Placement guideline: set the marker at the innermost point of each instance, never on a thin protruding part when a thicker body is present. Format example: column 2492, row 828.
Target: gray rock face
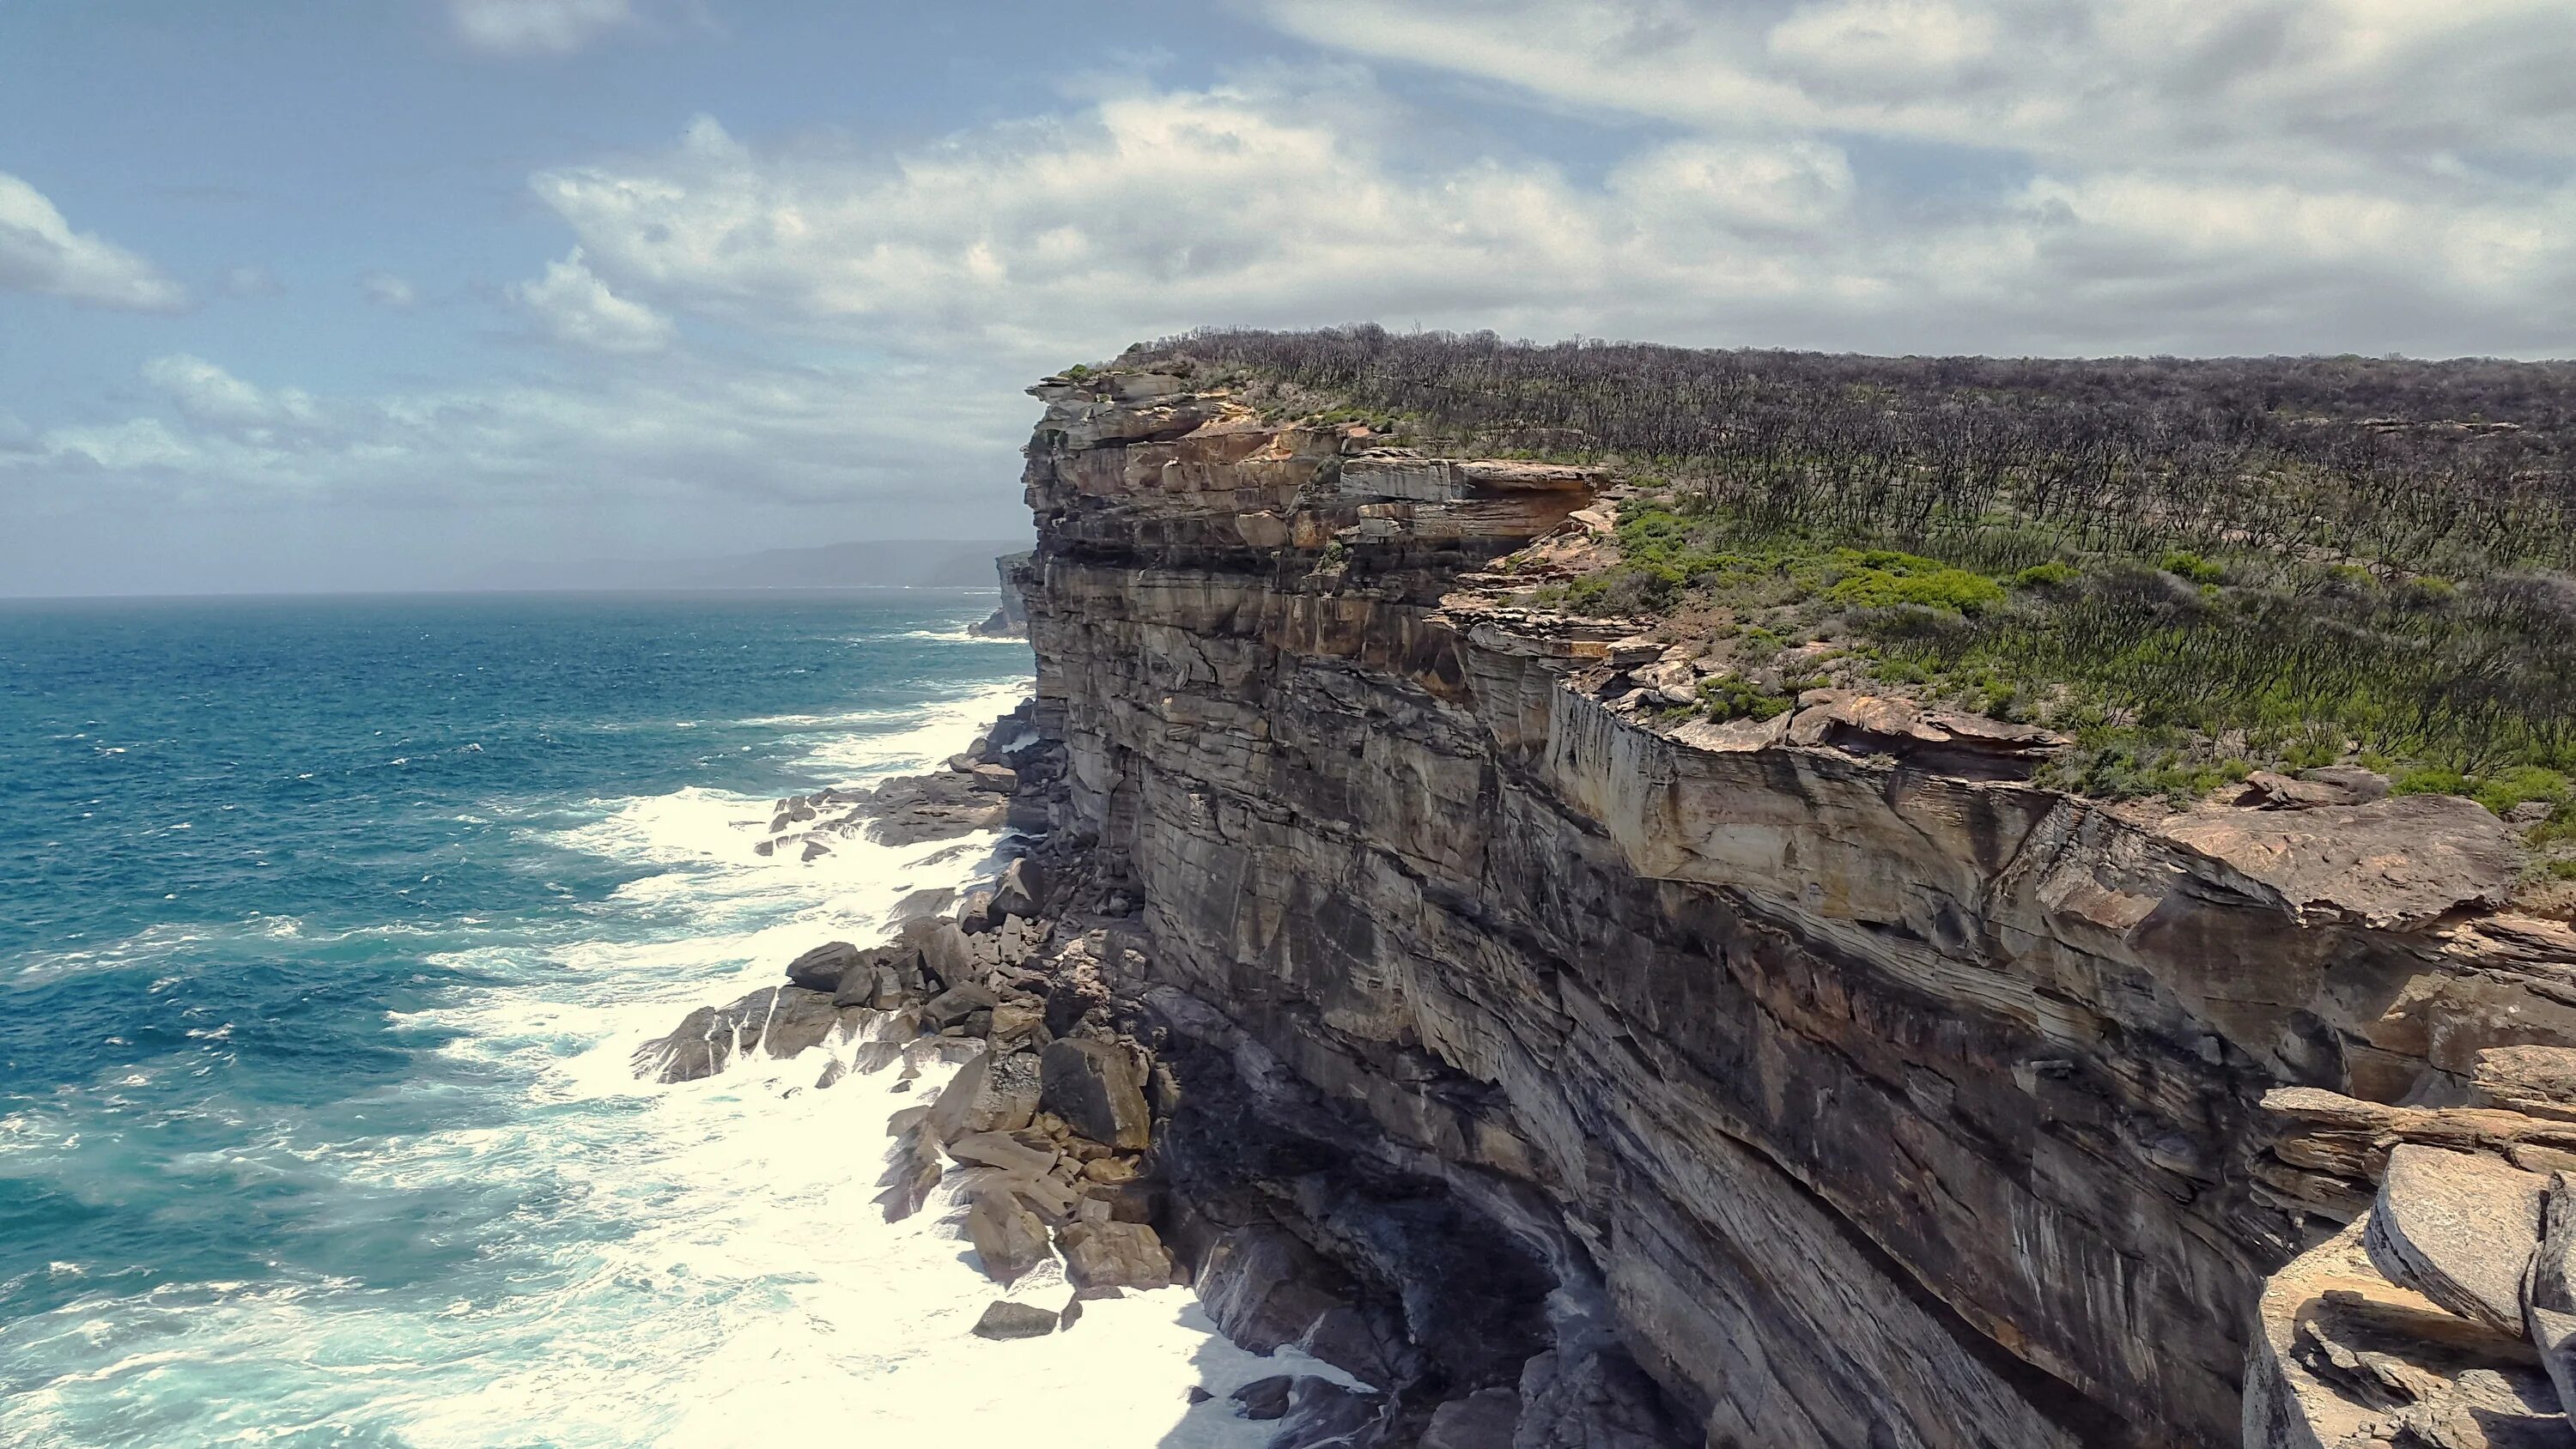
column 2458, row 1228
column 2549, row 1299
column 1097, row 1087
column 1005, row 1319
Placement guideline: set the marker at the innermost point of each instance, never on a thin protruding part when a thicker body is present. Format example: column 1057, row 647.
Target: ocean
column 330, row 926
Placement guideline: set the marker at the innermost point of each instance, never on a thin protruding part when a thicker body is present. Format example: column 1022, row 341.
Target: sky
column 315, row 295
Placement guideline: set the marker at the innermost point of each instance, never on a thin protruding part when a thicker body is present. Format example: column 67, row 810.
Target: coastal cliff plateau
column 1854, row 1091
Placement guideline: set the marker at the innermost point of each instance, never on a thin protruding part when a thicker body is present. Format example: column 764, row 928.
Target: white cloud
column 572, row 305
column 537, row 27
column 2306, row 83
column 39, row 252
column 211, row 395
column 389, row 291
column 1269, row 204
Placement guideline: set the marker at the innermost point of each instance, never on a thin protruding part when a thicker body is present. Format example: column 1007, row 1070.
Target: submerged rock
column 1006, row 1319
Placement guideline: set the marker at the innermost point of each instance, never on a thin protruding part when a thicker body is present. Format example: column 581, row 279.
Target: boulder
column 1485, row 1419
column 1022, row 887
column 1115, row 1255
column 1264, row 1399
column 992, row 1149
column 1321, row 1412
column 933, row 902
column 1098, row 1088
column 1016, row 1021
column 957, row 1003
column 1007, row 1236
column 874, row 986
column 776, row 1021
column 996, row 1092
column 2459, row 1228
column 913, row 1169
column 821, row 969
column 815, row 850
column 1005, row 1319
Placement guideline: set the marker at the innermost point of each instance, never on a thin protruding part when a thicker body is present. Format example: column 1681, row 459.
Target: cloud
column 2121, row 80
column 389, row 291
column 537, row 27
column 1278, row 202
column 573, row 306
column 39, row 252
column 209, row 394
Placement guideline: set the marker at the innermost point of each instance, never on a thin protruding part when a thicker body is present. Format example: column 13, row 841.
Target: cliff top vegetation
column 2195, row 568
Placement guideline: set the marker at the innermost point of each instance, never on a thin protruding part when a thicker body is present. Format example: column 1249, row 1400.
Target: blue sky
column 330, row 295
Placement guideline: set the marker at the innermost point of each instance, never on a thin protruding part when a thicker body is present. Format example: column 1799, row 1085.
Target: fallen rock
column 1007, row 1236
column 957, row 1003
column 1114, row 1255
column 1097, row 1087
column 932, row 902
column 776, row 1021
column 821, row 969
column 992, row 1149
column 996, row 1092
column 1005, row 1320
column 2459, row 1228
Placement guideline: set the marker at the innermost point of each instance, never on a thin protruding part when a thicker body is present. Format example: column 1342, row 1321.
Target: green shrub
column 1884, row 579
column 1730, row 697
column 2186, row 564
column 2054, row 574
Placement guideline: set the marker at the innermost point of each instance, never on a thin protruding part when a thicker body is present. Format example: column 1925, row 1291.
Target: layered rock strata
column 1816, row 1082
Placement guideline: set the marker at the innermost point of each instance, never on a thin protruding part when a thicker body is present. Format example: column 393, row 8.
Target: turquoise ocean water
column 329, row 926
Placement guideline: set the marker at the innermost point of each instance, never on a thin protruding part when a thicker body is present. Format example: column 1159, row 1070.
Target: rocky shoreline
column 1065, row 1126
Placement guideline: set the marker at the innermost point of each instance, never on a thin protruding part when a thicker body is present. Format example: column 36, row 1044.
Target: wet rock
column 932, row 902
column 1323, row 1413
column 913, row 1170
column 1006, row 1319
column 1591, row 1397
column 1115, row 1255
column 815, row 850
column 1098, row 1088
column 2459, row 1228
column 1007, row 1236
column 777, row 1021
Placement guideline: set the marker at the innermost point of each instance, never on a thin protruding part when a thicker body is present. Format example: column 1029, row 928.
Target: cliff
column 1855, row 1090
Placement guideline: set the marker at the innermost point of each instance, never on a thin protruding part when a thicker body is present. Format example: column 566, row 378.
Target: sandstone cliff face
column 1860, row 1093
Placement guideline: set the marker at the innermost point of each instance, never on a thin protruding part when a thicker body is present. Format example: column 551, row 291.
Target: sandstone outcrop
column 1815, row 1081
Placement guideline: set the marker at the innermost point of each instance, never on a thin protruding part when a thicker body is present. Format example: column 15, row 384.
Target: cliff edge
column 1850, row 1087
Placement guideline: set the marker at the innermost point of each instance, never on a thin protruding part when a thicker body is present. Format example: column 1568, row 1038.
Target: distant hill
column 895, row 563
